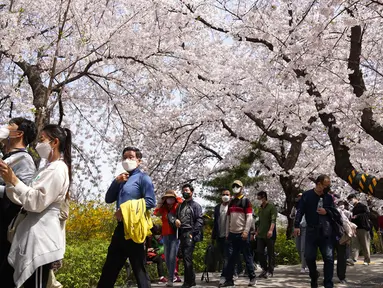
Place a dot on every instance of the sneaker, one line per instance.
(177, 279)
(350, 262)
(366, 263)
(344, 281)
(163, 280)
(227, 284)
(253, 282)
(169, 284)
(263, 274)
(307, 270)
(235, 277)
(303, 270)
(270, 274)
(222, 280)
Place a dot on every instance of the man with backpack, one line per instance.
(239, 222)
(189, 223)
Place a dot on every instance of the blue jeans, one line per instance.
(315, 240)
(171, 247)
(236, 245)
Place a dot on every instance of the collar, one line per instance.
(240, 197)
(263, 206)
(135, 171)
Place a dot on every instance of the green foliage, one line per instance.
(287, 250)
(83, 263)
(225, 180)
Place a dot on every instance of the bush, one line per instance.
(288, 254)
(83, 263)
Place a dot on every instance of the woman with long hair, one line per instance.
(39, 239)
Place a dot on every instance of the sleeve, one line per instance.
(198, 219)
(2, 190)
(300, 212)
(274, 214)
(293, 212)
(45, 190)
(148, 192)
(112, 193)
(249, 215)
(158, 212)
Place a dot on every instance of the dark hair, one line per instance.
(340, 202)
(224, 189)
(351, 196)
(28, 127)
(321, 178)
(188, 186)
(64, 136)
(134, 149)
(262, 194)
(156, 229)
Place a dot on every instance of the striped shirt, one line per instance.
(240, 215)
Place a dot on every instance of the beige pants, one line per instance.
(361, 242)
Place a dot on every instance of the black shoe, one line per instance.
(314, 282)
(263, 274)
(227, 284)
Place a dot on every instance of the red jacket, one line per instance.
(163, 212)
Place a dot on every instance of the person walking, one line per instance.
(39, 239)
(240, 219)
(219, 229)
(189, 222)
(314, 204)
(15, 138)
(266, 235)
(166, 209)
(360, 217)
(300, 240)
(130, 185)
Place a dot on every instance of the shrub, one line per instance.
(286, 249)
(83, 263)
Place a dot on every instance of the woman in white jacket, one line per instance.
(40, 239)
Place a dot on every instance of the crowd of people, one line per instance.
(34, 207)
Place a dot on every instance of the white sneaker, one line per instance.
(303, 270)
(222, 280)
(366, 264)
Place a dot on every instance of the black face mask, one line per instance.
(327, 190)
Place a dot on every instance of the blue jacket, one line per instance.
(139, 185)
(308, 207)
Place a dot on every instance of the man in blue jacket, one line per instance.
(315, 205)
(132, 185)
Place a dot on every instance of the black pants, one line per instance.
(39, 278)
(269, 263)
(187, 248)
(341, 258)
(160, 264)
(6, 270)
(119, 250)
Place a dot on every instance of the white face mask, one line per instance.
(225, 198)
(44, 150)
(4, 133)
(129, 165)
(170, 201)
(236, 190)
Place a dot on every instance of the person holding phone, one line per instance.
(39, 239)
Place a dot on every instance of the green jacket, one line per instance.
(267, 215)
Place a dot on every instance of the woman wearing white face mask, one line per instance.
(40, 238)
(166, 209)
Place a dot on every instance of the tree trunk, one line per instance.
(291, 192)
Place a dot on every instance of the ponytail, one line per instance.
(68, 156)
(65, 137)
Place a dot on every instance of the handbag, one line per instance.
(15, 223)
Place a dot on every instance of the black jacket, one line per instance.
(196, 221)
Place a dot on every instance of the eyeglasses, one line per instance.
(236, 186)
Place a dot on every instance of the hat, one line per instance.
(170, 193)
(239, 183)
